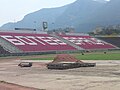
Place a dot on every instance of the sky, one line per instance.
(15, 10)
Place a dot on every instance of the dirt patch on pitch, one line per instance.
(105, 76)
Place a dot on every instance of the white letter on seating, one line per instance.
(13, 40)
(26, 40)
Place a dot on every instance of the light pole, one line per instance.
(35, 26)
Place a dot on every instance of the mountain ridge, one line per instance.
(83, 15)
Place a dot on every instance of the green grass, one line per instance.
(87, 56)
(110, 56)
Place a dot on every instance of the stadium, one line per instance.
(41, 47)
(24, 42)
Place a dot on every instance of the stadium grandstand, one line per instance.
(16, 41)
(115, 40)
(3, 51)
(87, 42)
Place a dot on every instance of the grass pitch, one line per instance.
(110, 55)
(86, 56)
(100, 56)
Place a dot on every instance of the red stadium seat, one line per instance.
(29, 42)
(32, 42)
(88, 42)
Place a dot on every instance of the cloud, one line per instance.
(102, 0)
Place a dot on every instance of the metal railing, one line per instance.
(9, 47)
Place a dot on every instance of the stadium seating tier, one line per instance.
(34, 42)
